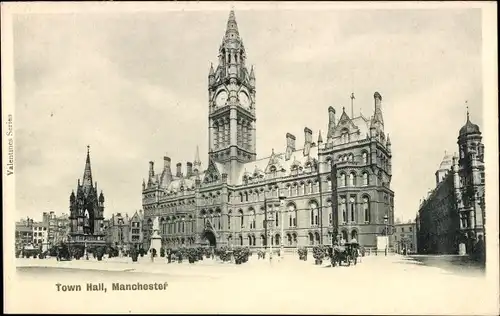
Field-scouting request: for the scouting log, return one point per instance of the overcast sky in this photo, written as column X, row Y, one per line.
column 133, row 86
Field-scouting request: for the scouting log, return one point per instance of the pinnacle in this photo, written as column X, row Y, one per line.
column 87, row 173
column 232, row 27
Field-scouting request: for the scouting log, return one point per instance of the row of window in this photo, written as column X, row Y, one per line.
column 290, row 238
column 347, row 217
column 296, row 189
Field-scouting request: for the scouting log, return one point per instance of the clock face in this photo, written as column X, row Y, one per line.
column 221, row 98
column 244, row 101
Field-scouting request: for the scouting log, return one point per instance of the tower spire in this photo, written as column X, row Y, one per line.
column 320, row 139
column 197, row 161
column 87, row 174
column 232, row 27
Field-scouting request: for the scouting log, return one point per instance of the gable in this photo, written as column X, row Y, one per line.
column 345, row 122
column 212, row 173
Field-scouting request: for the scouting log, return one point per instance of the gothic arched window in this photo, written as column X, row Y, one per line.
column 242, row 223
column 292, row 215
column 352, row 207
column 252, row 218
column 351, row 179
column 344, row 137
column 342, row 180
column 365, row 157
column 314, row 213
column 343, row 209
column 366, row 209
column 365, row 178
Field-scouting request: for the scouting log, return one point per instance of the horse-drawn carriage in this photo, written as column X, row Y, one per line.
column 63, row 253
column 345, row 253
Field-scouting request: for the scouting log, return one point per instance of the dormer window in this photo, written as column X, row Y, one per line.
column 344, row 136
column 273, row 171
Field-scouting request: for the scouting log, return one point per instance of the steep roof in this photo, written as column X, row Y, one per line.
column 257, row 170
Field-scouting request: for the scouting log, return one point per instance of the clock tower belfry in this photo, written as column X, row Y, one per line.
column 231, row 89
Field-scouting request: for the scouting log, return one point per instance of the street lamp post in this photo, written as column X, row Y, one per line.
column 386, row 219
column 282, row 198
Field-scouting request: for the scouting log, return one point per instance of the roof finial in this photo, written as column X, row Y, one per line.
column 467, row 107
column 352, row 104
column 88, row 149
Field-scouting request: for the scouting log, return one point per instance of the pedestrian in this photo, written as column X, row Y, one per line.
column 479, row 249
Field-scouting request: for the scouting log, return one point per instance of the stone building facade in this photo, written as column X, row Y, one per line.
column 235, row 199
column 86, row 211
column 405, row 237
column 118, row 231
column 453, row 213
column 24, row 232
column 40, row 235
column 136, row 234
column 57, row 227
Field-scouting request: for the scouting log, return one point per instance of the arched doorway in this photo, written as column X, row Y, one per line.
column 354, row 234
column 344, row 235
column 210, row 237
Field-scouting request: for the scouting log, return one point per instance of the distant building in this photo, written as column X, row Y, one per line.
column 118, row 231
column 57, row 227
column 136, row 236
column 24, row 232
column 405, row 237
column 451, row 218
column 40, row 235
column 87, row 211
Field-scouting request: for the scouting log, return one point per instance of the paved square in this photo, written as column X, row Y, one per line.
column 378, row 284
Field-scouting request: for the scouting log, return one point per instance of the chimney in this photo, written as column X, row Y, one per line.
column 179, row 171
column 307, row 136
column 331, row 122
column 290, row 146
column 189, row 169
column 307, row 141
column 166, row 162
column 151, row 169
column 378, row 100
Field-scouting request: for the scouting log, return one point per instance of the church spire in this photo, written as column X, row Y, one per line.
column 232, row 27
column 197, row 161
column 87, row 174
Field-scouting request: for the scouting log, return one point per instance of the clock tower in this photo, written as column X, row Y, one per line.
column 231, row 90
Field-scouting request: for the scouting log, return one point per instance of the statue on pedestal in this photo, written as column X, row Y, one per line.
column 155, row 237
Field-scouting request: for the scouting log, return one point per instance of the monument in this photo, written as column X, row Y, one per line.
column 155, row 237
